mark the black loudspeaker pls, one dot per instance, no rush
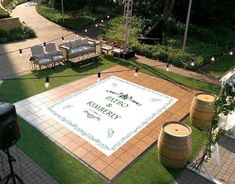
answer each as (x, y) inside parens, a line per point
(9, 129)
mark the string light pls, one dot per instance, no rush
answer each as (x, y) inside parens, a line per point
(99, 75)
(213, 58)
(96, 25)
(167, 67)
(47, 82)
(85, 30)
(231, 53)
(5, 53)
(102, 21)
(1, 82)
(192, 64)
(21, 52)
(136, 72)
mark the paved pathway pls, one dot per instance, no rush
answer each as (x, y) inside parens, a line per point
(223, 173)
(12, 64)
(24, 167)
(176, 70)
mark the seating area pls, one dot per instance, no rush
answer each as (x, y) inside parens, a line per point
(77, 47)
(49, 55)
(113, 47)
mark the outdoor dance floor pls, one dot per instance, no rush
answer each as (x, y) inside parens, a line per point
(107, 124)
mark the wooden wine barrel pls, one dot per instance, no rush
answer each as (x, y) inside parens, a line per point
(201, 111)
(174, 144)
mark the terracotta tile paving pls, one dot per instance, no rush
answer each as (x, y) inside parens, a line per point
(112, 166)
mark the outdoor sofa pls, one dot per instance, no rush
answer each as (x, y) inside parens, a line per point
(77, 47)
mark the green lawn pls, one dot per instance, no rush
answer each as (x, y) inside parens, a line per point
(219, 68)
(72, 20)
(63, 167)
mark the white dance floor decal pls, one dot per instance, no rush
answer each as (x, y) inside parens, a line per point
(108, 113)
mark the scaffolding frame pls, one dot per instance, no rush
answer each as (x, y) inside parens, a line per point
(128, 8)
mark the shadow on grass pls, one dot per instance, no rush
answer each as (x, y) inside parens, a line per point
(77, 71)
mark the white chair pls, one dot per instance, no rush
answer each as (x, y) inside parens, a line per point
(57, 55)
(39, 57)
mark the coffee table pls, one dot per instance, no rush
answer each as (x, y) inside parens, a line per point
(84, 59)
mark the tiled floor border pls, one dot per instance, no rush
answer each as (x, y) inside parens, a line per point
(108, 167)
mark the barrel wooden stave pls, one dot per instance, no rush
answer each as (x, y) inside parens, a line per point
(201, 112)
(173, 151)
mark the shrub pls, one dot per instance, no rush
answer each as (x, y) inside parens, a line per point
(170, 55)
(219, 35)
(21, 33)
(198, 49)
(84, 17)
(3, 12)
(68, 4)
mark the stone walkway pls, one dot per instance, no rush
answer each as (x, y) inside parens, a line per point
(24, 167)
(12, 65)
(226, 170)
(176, 70)
(223, 173)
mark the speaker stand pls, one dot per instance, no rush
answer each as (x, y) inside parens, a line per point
(12, 176)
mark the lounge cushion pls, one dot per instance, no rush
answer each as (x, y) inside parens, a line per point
(87, 49)
(58, 58)
(55, 52)
(78, 42)
(84, 42)
(76, 52)
(40, 56)
(44, 61)
(73, 44)
(67, 44)
(117, 50)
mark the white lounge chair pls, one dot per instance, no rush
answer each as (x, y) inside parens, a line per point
(40, 58)
(57, 55)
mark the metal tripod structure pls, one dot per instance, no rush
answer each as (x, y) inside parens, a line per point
(128, 8)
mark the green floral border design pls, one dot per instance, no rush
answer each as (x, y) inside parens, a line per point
(98, 142)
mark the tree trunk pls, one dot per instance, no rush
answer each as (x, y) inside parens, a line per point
(168, 7)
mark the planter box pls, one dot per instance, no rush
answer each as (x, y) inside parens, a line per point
(8, 24)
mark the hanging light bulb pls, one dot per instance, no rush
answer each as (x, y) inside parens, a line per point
(102, 21)
(96, 25)
(136, 72)
(108, 17)
(213, 58)
(192, 64)
(47, 82)
(1, 82)
(167, 67)
(21, 52)
(85, 30)
(99, 75)
(231, 53)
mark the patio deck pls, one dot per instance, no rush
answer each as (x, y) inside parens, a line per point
(109, 167)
